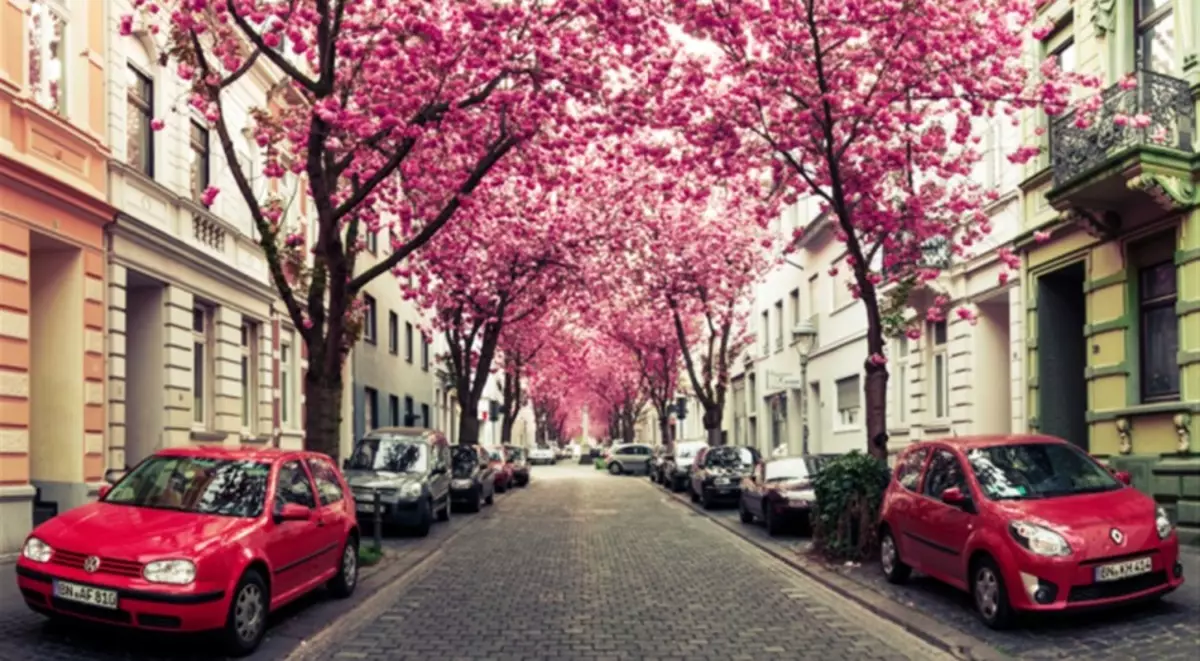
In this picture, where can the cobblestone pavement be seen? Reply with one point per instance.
(1166, 631)
(25, 636)
(586, 566)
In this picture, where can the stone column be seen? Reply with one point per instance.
(177, 419)
(1016, 325)
(227, 374)
(16, 494)
(116, 366)
(95, 412)
(265, 423)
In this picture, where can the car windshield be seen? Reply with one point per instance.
(687, 452)
(1037, 470)
(395, 454)
(201, 485)
(516, 454)
(495, 454)
(793, 468)
(727, 457)
(465, 459)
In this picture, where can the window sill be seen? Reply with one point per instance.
(207, 436)
(850, 428)
(1144, 409)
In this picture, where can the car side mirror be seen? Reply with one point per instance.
(114, 475)
(103, 491)
(1125, 477)
(954, 496)
(293, 512)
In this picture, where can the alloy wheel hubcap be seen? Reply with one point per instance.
(248, 612)
(987, 592)
(350, 565)
(887, 557)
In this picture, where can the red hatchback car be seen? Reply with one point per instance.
(1025, 523)
(505, 476)
(198, 539)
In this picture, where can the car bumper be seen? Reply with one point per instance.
(792, 510)
(731, 493)
(162, 608)
(465, 495)
(399, 513)
(1059, 584)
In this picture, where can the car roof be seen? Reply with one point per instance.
(236, 453)
(401, 431)
(990, 440)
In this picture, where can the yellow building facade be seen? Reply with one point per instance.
(1111, 249)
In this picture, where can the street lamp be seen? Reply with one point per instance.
(803, 336)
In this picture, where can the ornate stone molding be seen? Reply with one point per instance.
(1125, 431)
(1182, 422)
(1104, 16)
(1101, 224)
(1167, 191)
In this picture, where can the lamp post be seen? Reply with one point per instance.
(803, 336)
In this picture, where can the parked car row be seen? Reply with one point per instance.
(216, 539)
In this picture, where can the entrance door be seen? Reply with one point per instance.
(1062, 355)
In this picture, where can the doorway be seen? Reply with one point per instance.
(993, 369)
(145, 368)
(1062, 355)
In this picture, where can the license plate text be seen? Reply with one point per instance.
(1119, 570)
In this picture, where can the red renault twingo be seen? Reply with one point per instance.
(198, 539)
(1024, 523)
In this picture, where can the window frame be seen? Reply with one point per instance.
(410, 411)
(766, 333)
(424, 353)
(371, 404)
(794, 300)
(394, 409)
(838, 424)
(200, 164)
(285, 383)
(939, 351)
(924, 453)
(277, 504)
(1144, 308)
(58, 10)
(779, 325)
(202, 365)
(900, 394)
(372, 241)
(1142, 25)
(370, 312)
(929, 467)
(315, 463)
(145, 109)
(393, 332)
(409, 352)
(249, 362)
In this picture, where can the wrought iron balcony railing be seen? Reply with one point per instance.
(1157, 111)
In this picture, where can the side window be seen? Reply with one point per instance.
(908, 471)
(293, 486)
(944, 472)
(325, 476)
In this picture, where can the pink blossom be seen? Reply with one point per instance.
(1041, 236)
(209, 195)
(125, 27)
(157, 124)
(877, 359)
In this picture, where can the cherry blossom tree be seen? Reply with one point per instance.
(869, 107)
(654, 347)
(525, 348)
(392, 113)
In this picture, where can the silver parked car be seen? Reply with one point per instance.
(629, 458)
(677, 467)
(410, 470)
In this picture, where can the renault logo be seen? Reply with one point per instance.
(1117, 536)
(91, 564)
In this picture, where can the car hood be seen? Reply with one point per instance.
(140, 533)
(1087, 520)
(379, 479)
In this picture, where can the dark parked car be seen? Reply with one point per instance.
(473, 482)
(410, 470)
(717, 474)
(517, 458)
(677, 467)
(779, 493)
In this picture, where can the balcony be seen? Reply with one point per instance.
(1140, 138)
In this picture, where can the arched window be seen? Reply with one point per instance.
(139, 146)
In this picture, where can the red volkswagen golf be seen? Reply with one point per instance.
(198, 540)
(1025, 523)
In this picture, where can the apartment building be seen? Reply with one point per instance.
(1110, 247)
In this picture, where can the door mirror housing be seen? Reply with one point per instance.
(293, 512)
(114, 475)
(1125, 477)
(954, 496)
(103, 491)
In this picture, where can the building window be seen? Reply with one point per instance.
(940, 370)
(140, 108)
(425, 421)
(393, 333)
(901, 363)
(369, 318)
(198, 160)
(371, 412)
(249, 375)
(814, 297)
(794, 301)
(394, 409)
(424, 353)
(1158, 332)
(778, 325)
(1155, 35)
(408, 342)
(410, 412)
(1064, 55)
(752, 388)
(849, 402)
(766, 332)
(841, 292)
(47, 70)
(372, 242)
(201, 364)
(285, 382)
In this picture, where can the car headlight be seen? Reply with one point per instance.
(1163, 523)
(175, 572)
(1039, 540)
(461, 484)
(37, 550)
(410, 490)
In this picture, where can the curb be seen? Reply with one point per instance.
(948, 639)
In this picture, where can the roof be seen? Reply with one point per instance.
(248, 452)
(401, 431)
(985, 440)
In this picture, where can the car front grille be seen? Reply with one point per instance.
(1119, 588)
(107, 565)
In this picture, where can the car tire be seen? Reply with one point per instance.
(476, 503)
(677, 485)
(491, 497)
(425, 510)
(692, 493)
(894, 569)
(615, 468)
(706, 501)
(744, 514)
(246, 623)
(990, 596)
(770, 522)
(342, 585)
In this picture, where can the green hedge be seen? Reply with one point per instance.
(849, 491)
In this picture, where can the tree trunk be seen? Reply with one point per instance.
(322, 412)
(664, 427)
(875, 385)
(506, 429)
(468, 424)
(712, 425)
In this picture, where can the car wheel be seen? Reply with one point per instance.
(744, 514)
(706, 501)
(614, 468)
(444, 513)
(491, 497)
(426, 519)
(677, 484)
(692, 493)
(991, 599)
(770, 521)
(894, 569)
(247, 620)
(343, 584)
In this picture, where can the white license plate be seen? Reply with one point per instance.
(365, 507)
(1119, 570)
(722, 480)
(85, 594)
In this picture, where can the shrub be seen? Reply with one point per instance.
(849, 491)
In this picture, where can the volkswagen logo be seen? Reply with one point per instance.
(91, 564)
(1117, 536)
